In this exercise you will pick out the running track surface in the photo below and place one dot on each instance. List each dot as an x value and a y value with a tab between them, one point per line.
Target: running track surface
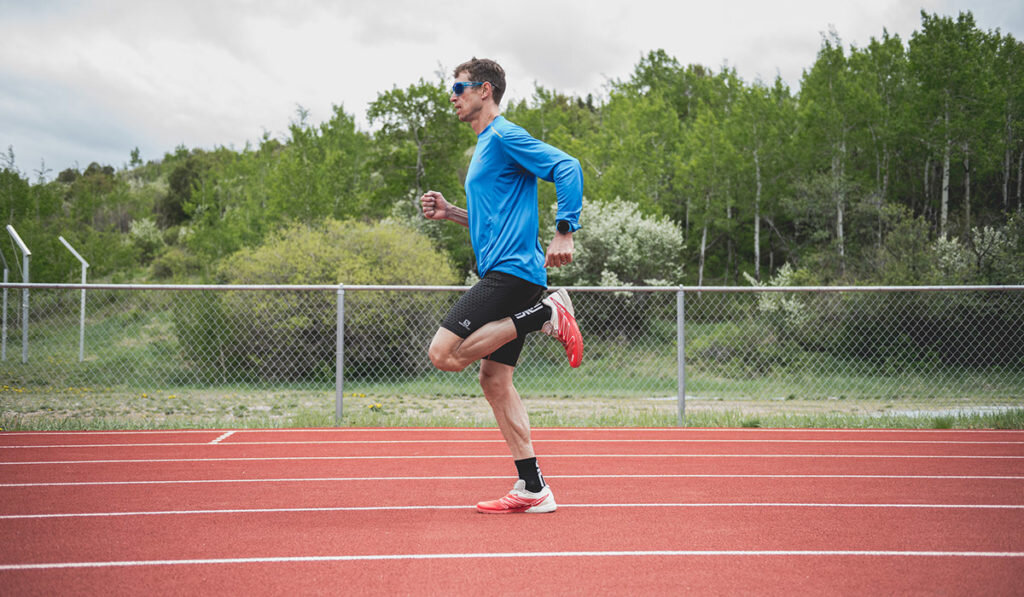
390	512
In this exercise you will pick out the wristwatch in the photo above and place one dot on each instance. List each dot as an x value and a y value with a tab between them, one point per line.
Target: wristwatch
563	226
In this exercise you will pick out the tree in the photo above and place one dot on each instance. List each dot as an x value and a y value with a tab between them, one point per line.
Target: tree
1008	91
828	106
321	172
708	174
633	153
421	146
187	175
761	127
686	88
880	74
421	143
945	61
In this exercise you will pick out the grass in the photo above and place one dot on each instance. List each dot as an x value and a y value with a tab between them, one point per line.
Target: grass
85	409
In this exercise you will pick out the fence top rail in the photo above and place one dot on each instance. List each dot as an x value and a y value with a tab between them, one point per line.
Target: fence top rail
17	239
651	289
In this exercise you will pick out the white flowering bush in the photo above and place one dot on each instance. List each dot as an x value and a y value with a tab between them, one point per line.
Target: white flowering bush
793	312
619	246
952	262
145	236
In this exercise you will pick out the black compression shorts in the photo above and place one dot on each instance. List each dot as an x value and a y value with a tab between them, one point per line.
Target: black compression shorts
497	296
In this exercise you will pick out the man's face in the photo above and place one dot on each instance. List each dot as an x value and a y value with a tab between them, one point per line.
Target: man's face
469	103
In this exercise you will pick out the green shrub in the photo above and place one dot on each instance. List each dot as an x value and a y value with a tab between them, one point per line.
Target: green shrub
976	329
175	263
290	336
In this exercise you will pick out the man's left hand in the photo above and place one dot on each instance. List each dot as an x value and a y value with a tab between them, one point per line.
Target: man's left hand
559	251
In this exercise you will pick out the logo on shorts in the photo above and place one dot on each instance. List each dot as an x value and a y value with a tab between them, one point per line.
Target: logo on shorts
465	323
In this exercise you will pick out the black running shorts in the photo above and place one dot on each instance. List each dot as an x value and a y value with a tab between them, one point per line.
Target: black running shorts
497	296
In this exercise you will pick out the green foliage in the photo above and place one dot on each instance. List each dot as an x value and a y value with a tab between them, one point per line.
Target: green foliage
898	162
186	175
421	146
335	252
175	264
894	331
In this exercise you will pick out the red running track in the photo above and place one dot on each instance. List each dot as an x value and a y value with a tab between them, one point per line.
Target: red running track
390	511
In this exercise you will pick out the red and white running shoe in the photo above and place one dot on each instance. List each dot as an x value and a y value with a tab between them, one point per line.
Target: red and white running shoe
520	500
563	325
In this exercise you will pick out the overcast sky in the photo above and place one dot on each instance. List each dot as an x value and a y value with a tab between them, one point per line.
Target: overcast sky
85	81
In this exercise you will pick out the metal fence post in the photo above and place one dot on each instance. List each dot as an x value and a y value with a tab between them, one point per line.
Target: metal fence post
3	350
339	365
681	354
81	316
26	256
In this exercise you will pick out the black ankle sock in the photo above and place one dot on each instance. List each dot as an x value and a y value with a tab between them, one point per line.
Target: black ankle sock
532	319
529	471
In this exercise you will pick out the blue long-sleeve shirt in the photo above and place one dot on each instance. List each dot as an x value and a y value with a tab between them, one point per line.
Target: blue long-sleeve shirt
501	192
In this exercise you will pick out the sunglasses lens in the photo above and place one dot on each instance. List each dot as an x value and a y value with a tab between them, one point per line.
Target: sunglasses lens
461	86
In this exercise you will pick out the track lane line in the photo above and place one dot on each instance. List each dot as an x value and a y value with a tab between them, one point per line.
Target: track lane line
492	477
345	430
515	555
465	507
505	456
221	438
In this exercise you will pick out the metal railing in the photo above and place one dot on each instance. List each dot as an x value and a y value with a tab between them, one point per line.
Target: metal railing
862	349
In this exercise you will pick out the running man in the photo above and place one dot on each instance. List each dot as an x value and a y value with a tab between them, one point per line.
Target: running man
490	321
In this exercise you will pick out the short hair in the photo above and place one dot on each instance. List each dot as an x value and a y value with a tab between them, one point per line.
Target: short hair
483	69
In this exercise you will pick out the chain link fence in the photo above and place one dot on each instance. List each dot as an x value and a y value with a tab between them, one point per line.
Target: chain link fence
861	350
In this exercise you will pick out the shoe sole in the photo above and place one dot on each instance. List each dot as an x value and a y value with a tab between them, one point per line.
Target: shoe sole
564	302
563	296
546	506
574	332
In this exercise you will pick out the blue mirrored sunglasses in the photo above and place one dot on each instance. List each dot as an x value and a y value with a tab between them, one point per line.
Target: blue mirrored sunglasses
461	86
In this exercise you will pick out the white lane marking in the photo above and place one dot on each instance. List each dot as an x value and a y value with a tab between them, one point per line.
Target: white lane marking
463	507
216	441
491	477
536	440
479	456
512	555
377	430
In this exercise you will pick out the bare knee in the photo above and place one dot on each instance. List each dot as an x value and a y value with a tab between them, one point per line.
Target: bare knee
443	360
495	384
489	384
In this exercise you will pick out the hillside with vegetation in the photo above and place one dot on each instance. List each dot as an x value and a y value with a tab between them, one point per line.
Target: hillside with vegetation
900	162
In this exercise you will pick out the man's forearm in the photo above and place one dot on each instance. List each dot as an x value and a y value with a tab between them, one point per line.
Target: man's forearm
458	215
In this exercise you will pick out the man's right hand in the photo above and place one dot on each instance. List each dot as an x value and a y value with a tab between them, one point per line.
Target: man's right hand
434	206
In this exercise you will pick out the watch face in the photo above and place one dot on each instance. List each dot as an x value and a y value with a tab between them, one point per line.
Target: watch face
562	226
